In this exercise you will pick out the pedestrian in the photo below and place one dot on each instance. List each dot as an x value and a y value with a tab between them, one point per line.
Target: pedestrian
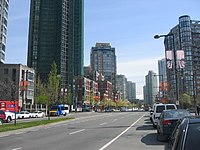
198	110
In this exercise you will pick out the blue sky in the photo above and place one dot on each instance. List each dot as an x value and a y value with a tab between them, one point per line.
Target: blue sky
129	25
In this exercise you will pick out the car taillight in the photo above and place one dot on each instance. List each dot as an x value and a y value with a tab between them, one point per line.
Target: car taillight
166	122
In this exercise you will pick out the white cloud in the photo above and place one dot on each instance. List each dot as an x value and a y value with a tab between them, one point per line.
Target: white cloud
136	70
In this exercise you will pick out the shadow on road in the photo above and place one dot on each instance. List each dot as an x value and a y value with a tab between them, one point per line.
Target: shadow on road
147	125
151	139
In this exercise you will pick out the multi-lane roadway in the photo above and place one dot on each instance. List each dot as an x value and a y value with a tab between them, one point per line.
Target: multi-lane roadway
89	131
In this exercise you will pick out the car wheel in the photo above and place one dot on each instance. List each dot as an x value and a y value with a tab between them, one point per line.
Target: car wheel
158	132
9	119
154	126
1	121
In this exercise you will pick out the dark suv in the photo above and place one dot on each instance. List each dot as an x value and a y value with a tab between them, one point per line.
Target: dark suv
2	117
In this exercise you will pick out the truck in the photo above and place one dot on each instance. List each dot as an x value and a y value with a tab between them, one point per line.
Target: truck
57	110
8	105
10	116
9	108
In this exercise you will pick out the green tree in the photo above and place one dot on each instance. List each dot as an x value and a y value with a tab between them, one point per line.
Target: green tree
40	92
185	101
53	84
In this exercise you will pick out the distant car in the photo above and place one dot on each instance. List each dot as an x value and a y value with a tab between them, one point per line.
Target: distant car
168	120
157	110
24	114
186	135
2	117
86	109
37	114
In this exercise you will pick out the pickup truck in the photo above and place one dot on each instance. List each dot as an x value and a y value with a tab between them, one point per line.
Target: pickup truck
10	116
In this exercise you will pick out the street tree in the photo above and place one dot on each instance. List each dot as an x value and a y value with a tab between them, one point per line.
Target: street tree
53	84
40	92
185	101
8	89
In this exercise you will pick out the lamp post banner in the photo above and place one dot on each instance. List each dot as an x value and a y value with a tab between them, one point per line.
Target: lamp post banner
169	58
180	59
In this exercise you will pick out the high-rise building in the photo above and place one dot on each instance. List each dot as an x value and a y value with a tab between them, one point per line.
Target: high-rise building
56	35
184	36
3	25
103	60
121	82
131	91
150	88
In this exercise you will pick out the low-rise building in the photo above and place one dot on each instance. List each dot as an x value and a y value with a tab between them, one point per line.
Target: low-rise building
22	78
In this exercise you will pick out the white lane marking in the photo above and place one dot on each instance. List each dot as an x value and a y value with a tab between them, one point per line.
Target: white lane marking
76	131
114	120
109	143
17	148
103	123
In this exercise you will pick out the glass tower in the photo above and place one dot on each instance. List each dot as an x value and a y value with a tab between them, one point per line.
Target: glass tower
187	38
103	60
56	35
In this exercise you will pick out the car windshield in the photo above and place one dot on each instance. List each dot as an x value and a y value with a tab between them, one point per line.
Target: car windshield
160	109
170	107
192	138
176	114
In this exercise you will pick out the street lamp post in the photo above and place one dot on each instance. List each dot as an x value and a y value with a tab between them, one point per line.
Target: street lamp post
175	65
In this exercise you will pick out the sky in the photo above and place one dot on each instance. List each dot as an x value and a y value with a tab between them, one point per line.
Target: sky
128	25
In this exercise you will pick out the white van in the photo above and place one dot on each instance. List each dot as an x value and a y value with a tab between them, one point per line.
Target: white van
157	110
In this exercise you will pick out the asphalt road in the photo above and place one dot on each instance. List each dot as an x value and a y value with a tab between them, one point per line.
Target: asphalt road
91	131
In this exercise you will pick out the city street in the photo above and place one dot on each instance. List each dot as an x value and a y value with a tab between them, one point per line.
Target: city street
94	131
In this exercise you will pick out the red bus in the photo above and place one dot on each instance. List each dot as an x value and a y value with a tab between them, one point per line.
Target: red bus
6	105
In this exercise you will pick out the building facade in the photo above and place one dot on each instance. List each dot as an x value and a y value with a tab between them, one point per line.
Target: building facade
103	60
131	91
3	24
121	86
56	35
150	88
22	78
184	36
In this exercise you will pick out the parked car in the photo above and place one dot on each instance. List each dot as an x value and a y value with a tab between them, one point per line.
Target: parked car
10	116
168	120
24	114
157	110
2	117
186	135
37	114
